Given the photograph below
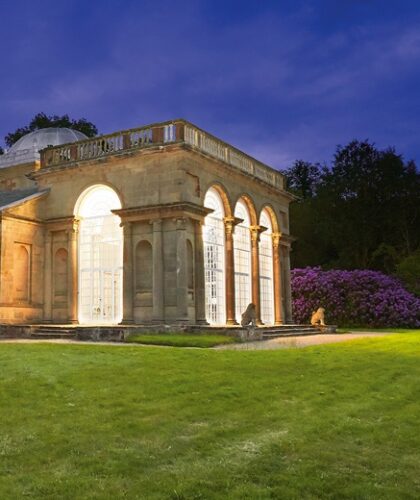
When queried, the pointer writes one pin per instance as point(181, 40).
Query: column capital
point(156, 223)
point(230, 223)
point(181, 223)
point(276, 237)
point(75, 225)
point(256, 232)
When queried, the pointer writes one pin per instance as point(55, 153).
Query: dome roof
point(40, 139)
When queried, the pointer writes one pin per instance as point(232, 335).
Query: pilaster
point(287, 283)
point(181, 270)
point(199, 295)
point(230, 223)
point(128, 310)
point(158, 272)
point(277, 280)
point(48, 277)
point(72, 298)
point(255, 267)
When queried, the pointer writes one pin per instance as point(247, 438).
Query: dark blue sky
point(280, 79)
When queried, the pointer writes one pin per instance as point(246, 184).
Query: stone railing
point(178, 131)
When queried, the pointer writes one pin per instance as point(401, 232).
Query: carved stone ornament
point(318, 317)
point(249, 317)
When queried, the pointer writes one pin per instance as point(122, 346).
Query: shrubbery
point(353, 298)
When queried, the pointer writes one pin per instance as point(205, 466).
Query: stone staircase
point(52, 332)
point(288, 331)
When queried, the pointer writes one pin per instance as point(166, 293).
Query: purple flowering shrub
point(353, 298)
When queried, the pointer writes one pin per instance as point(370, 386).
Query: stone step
point(53, 333)
point(267, 336)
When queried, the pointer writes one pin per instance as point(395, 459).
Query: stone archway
point(100, 260)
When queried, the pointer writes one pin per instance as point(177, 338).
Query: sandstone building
point(163, 224)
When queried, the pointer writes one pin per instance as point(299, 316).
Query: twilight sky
point(280, 79)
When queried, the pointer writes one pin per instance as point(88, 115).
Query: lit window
point(266, 270)
point(100, 256)
point(242, 256)
point(214, 258)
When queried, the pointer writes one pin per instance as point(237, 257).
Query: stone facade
point(161, 175)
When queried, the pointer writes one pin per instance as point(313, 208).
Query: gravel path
point(278, 343)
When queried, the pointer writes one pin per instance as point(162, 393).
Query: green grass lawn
point(181, 340)
point(336, 421)
point(396, 329)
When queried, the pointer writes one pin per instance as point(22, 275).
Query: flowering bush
point(354, 298)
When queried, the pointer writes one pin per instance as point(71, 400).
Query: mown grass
point(333, 421)
point(346, 329)
point(180, 340)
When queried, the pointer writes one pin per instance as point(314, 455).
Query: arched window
point(144, 267)
point(242, 256)
point(214, 258)
point(266, 270)
point(22, 272)
point(100, 256)
point(60, 275)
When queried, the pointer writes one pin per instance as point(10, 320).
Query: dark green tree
point(41, 120)
point(303, 178)
point(364, 212)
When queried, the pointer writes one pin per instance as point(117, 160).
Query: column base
point(278, 323)
point(74, 321)
point(126, 322)
point(202, 322)
point(259, 323)
point(232, 322)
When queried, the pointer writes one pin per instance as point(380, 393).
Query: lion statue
point(249, 316)
point(318, 317)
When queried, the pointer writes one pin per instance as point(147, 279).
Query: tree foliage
point(362, 212)
point(41, 120)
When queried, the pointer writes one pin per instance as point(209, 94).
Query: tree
point(303, 178)
point(363, 213)
point(41, 120)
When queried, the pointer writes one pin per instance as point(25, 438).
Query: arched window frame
point(100, 256)
point(242, 259)
point(266, 269)
point(214, 258)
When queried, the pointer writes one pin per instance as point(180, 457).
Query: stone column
point(277, 281)
point(48, 277)
point(128, 311)
point(287, 284)
point(73, 282)
point(181, 271)
point(230, 271)
point(199, 285)
point(255, 267)
point(158, 272)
